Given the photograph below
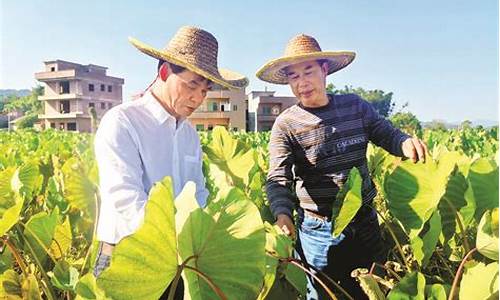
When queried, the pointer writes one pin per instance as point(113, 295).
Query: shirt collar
point(158, 111)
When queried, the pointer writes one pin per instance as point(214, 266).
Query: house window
point(91, 87)
point(91, 104)
point(61, 126)
point(266, 110)
point(52, 69)
point(110, 88)
point(64, 87)
point(64, 107)
point(214, 106)
point(103, 105)
point(210, 127)
point(52, 125)
point(200, 127)
point(103, 87)
point(235, 107)
point(110, 105)
point(72, 126)
point(222, 107)
point(235, 128)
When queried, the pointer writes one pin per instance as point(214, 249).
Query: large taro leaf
point(483, 185)
point(62, 239)
point(479, 281)
point(144, 263)
point(86, 289)
point(487, 235)
point(225, 241)
point(79, 190)
point(425, 243)
point(348, 202)
point(279, 245)
point(64, 276)
point(14, 286)
point(39, 231)
point(226, 153)
point(6, 192)
point(11, 215)
point(26, 179)
point(451, 204)
point(414, 190)
point(411, 287)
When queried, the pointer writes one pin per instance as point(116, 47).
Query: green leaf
point(14, 286)
point(79, 190)
point(411, 287)
point(368, 284)
point(452, 203)
point(25, 179)
point(228, 155)
point(414, 190)
point(435, 292)
point(64, 276)
point(269, 277)
point(86, 289)
point(11, 216)
point(278, 244)
point(424, 244)
point(297, 278)
point(483, 180)
point(348, 202)
point(479, 281)
point(227, 243)
point(39, 231)
point(62, 239)
point(487, 235)
point(6, 193)
point(140, 258)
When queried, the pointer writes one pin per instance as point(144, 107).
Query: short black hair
point(322, 61)
point(175, 68)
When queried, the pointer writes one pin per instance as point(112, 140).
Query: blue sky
point(440, 56)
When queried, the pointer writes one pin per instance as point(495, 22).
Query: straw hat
point(299, 49)
point(196, 50)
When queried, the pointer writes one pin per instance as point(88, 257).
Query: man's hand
point(285, 223)
point(414, 149)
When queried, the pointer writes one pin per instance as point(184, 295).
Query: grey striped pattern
point(312, 151)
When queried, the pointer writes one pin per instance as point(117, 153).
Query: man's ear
point(164, 71)
point(324, 68)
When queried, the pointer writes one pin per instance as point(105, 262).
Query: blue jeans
point(359, 247)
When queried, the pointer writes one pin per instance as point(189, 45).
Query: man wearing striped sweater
point(314, 145)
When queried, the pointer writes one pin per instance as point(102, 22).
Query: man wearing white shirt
point(140, 142)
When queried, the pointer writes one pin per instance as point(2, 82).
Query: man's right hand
point(285, 223)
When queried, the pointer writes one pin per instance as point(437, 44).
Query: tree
point(407, 122)
point(381, 101)
point(27, 104)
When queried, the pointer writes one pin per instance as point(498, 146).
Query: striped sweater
point(312, 151)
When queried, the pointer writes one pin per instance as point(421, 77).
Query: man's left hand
point(414, 149)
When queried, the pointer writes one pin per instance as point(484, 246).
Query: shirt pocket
point(192, 167)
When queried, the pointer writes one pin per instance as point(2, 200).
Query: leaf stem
point(459, 273)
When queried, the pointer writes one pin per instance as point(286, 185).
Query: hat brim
point(223, 77)
point(274, 70)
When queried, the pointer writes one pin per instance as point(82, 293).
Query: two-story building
point(221, 107)
point(71, 90)
point(264, 108)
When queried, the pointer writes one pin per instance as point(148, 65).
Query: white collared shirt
point(137, 144)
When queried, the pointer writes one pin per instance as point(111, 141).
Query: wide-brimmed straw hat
point(196, 50)
point(299, 49)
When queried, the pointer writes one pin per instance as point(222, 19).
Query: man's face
point(307, 80)
point(187, 90)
